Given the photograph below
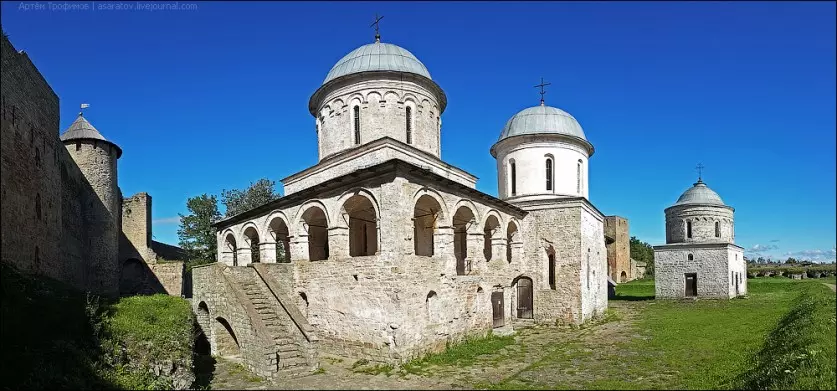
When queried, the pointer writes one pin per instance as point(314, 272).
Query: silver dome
point(540, 120)
point(699, 193)
point(377, 56)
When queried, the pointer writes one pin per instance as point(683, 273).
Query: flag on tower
point(85, 105)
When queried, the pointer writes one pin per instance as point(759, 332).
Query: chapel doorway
point(524, 298)
point(691, 284)
point(497, 307)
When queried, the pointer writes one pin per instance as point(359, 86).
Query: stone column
point(244, 256)
point(443, 249)
point(267, 252)
point(227, 257)
point(476, 258)
point(516, 252)
point(299, 248)
point(498, 249)
point(338, 242)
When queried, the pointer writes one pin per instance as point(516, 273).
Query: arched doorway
point(363, 226)
point(202, 346)
point(511, 237)
point(226, 341)
point(525, 308)
point(491, 226)
point(462, 221)
point(132, 279)
point(425, 215)
point(315, 223)
point(251, 236)
point(231, 249)
point(623, 277)
point(281, 236)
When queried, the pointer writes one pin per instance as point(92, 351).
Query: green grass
point(54, 336)
point(750, 343)
point(159, 325)
point(799, 352)
point(460, 354)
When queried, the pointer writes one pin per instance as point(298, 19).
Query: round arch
point(464, 202)
point(298, 228)
point(435, 195)
point(495, 213)
point(341, 202)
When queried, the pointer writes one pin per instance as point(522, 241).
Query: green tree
point(196, 234)
point(259, 193)
point(643, 252)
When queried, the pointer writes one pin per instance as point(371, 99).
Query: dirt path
point(832, 286)
point(541, 356)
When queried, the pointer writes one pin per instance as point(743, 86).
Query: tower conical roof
point(81, 129)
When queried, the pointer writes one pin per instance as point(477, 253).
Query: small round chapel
point(700, 257)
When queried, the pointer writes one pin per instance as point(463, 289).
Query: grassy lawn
point(780, 337)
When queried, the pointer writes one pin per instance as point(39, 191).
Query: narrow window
point(690, 257)
point(551, 276)
point(37, 157)
point(357, 124)
point(409, 125)
point(513, 178)
point(689, 229)
point(578, 178)
point(717, 229)
point(38, 206)
point(78, 145)
point(588, 268)
point(548, 174)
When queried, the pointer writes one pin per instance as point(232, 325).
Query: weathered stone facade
point(388, 252)
point(61, 204)
point(619, 260)
point(699, 258)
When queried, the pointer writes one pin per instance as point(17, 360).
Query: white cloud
point(166, 220)
point(819, 255)
point(760, 248)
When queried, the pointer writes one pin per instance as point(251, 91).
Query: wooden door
point(691, 284)
point(497, 306)
point(524, 298)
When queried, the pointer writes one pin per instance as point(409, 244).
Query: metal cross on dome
point(376, 23)
point(542, 85)
point(699, 169)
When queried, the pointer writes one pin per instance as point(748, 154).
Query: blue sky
point(216, 97)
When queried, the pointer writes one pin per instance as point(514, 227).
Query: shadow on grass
point(619, 297)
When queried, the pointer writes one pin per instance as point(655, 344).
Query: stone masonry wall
point(703, 218)
point(395, 305)
point(710, 262)
point(382, 102)
point(30, 174)
point(368, 155)
point(619, 252)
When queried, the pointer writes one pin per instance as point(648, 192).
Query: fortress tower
point(96, 158)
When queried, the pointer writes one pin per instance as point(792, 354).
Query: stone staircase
point(289, 352)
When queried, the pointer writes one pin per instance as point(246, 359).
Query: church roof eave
point(578, 140)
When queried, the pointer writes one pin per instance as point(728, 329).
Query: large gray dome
point(542, 120)
point(699, 193)
point(377, 56)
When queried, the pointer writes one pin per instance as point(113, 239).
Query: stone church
point(384, 251)
point(700, 257)
point(63, 214)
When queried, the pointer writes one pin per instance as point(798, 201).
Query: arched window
point(38, 206)
point(689, 229)
point(690, 257)
point(717, 229)
point(356, 110)
point(409, 125)
point(549, 174)
point(513, 174)
point(578, 177)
